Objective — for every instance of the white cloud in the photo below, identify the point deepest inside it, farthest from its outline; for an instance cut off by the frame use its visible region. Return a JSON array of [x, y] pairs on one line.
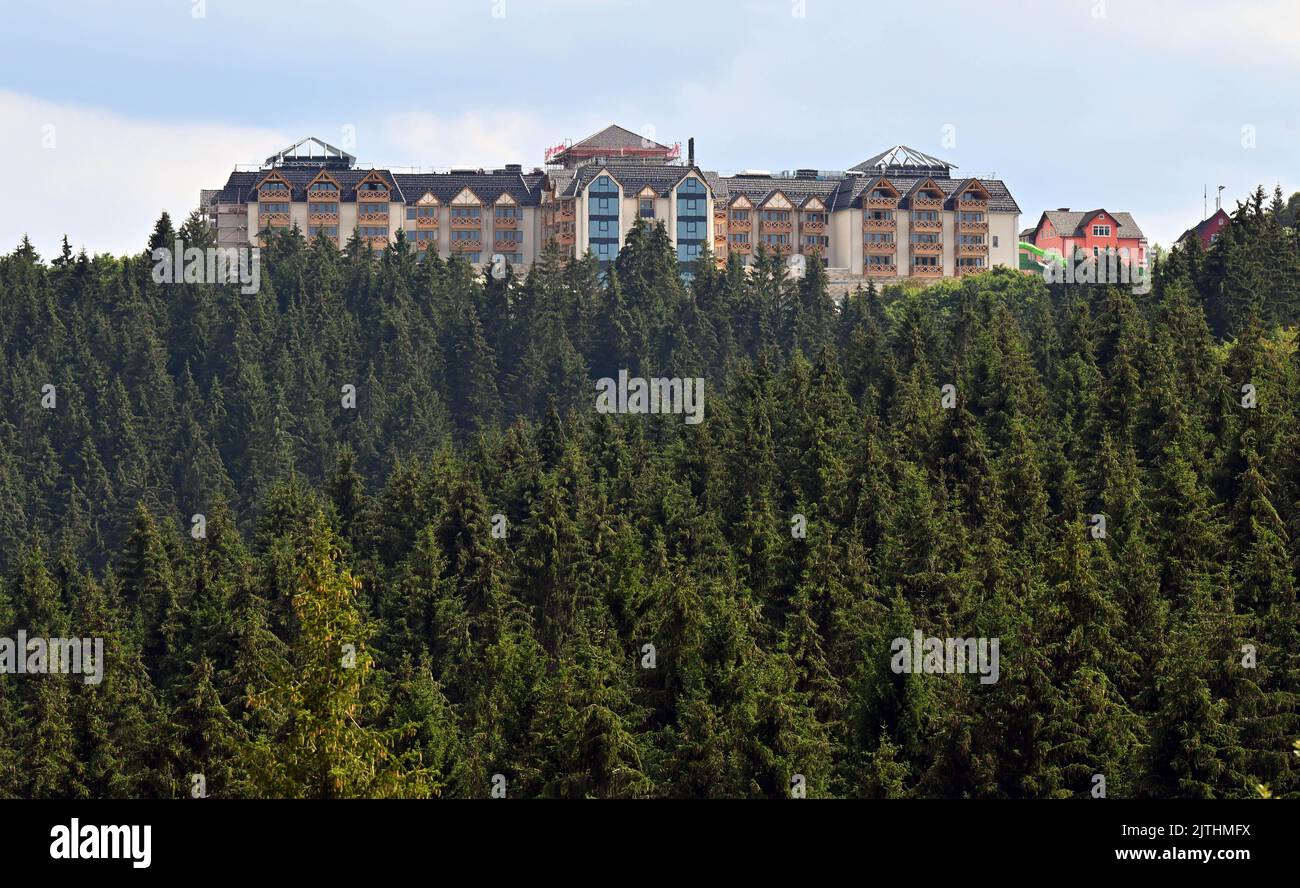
[[103, 179], [472, 139]]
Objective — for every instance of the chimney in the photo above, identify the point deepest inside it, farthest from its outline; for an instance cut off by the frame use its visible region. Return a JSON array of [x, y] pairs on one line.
[[690, 151], [1062, 209]]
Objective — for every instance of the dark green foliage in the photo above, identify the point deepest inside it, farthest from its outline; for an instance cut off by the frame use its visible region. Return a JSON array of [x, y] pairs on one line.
[[593, 605]]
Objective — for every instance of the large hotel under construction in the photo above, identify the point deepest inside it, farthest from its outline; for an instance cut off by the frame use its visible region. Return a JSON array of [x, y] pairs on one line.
[[900, 214]]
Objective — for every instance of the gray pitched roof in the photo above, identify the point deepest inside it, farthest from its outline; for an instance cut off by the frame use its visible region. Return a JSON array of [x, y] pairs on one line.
[[633, 177], [1000, 199], [1069, 223], [525, 188], [798, 191], [239, 187], [615, 137]]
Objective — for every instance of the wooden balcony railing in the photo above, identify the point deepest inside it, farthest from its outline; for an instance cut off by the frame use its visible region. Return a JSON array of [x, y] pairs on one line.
[[422, 245], [563, 238], [323, 218], [926, 248], [379, 243], [740, 225], [375, 196], [880, 203], [970, 269], [970, 202], [426, 222], [741, 248], [927, 271], [505, 222], [372, 218], [466, 246], [813, 227], [265, 220], [507, 246], [972, 249], [927, 225], [923, 202], [881, 269], [774, 226], [879, 248], [466, 223], [328, 195], [562, 216], [972, 227], [870, 224], [266, 195]]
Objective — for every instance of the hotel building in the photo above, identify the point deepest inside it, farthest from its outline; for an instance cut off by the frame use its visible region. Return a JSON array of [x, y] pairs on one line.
[[901, 214]]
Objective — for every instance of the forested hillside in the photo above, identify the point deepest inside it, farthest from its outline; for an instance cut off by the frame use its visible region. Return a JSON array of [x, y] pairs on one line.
[[348, 623]]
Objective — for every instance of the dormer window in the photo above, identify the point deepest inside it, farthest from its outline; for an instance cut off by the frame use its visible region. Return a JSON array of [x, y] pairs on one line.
[[1101, 231]]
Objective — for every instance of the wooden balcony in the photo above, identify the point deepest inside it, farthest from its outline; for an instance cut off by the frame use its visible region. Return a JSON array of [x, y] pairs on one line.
[[562, 216], [466, 223], [266, 220], [563, 238], [504, 223], [880, 203], [378, 243], [927, 271], [373, 196], [971, 203], [741, 248], [880, 248], [972, 227], [467, 246], [719, 240], [879, 224], [372, 218], [921, 202], [927, 224], [812, 227], [780, 249], [327, 195], [880, 269], [972, 249], [267, 195], [772, 226], [740, 226], [507, 246], [323, 218], [963, 270], [926, 248], [426, 222], [422, 245]]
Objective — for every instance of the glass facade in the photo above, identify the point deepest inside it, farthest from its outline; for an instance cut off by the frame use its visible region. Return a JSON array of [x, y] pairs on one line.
[[692, 219], [602, 219]]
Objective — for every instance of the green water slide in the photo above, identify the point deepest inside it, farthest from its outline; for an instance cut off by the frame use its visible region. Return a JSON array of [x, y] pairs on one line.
[[1042, 255]]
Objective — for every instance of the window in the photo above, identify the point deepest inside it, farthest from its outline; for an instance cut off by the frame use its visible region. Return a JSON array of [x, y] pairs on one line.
[[888, 215], [925, 238], [373, 231], [692, 219], [329, 230], [925, 261], [776, 239], [881, 237], [647, 209], [322, 208], [740, 215], [995, 240], [422, 236], [1101, 231], [463, 235], [775, 216], [475, 213], [880, 259], [742, 238], [516, 237], [507, 212]]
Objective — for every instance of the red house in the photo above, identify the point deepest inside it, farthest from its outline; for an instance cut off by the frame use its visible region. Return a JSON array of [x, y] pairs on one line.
[[1209, 230], [1094, 232]]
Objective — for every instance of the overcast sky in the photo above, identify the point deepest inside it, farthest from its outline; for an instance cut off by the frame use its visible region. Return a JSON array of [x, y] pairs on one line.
[[113, 111]]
